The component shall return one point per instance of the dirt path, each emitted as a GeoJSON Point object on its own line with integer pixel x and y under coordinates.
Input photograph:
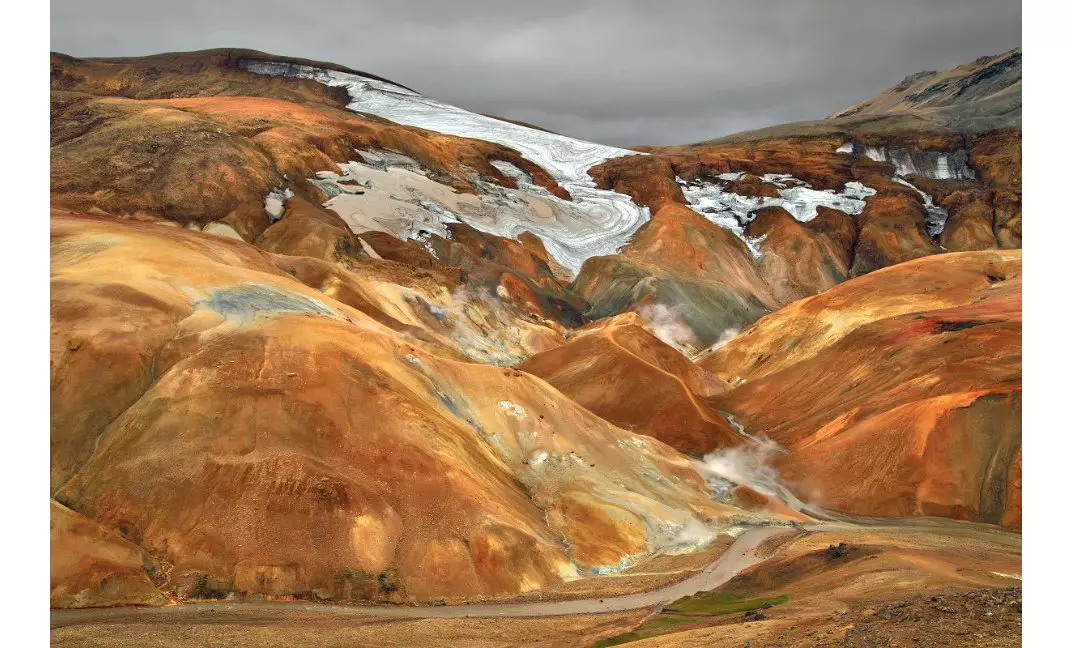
{"type": "Point", "coordinates": [740, 556]}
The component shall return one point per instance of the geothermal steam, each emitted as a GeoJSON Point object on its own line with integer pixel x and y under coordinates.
{"type": "Point", "coordinates": [668, 325]}
{"type": "Point", "coordinates": [748, 465]}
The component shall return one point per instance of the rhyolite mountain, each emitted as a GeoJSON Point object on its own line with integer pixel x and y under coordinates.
{"type": "Point", "coordinates": [314, 334]}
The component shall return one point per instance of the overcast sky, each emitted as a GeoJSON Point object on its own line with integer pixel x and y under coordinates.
{"type": "Point", "coordinates": [618, 72]}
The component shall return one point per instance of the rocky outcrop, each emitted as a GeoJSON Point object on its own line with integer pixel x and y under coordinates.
{"type": "Point", "coordinates": [814, 160]}
{"type": "Point", "coordinates": [997, 155]}
{"type": "Point", "coordinates": [891, 230]}
{"type": "Point", "coordinates": [986, 90]}
{"type": "Point", "coordinates": [306, 229]}
{"type": "Point", "coordinates": [217, 158]}
{"type": "Point", "coordinates": [971, 222]}
{"type": "Point", "coordinates": [647, 179]}
{"type": "Point", "coordinates": [516, 271]}
{"type": "Point", "coordinates": [801, 259]}
{"type": "Point", "coordinates": [903, 178]}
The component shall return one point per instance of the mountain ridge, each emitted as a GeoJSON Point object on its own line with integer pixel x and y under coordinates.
{"type": "Point", "coordinates": [414, 353]}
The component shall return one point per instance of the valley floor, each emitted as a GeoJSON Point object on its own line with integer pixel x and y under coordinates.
{"type": "Point", "coordinates": [913, 582]}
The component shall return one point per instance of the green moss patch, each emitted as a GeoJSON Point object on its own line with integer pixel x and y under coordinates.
{"type": "Point", "coordinates": [717, 602]}
{"type": "Point", "coordinates": [692, 612]}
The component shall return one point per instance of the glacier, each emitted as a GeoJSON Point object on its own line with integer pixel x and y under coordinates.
{"type": "Point", "coordinates": [598, 222]}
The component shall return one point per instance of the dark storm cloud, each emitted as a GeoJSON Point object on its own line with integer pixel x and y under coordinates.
{"type": "Point", "coordinates": [648, 72]}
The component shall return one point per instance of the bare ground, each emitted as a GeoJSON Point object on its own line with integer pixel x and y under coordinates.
{"type": "Point", "coordinates": [923, 583]}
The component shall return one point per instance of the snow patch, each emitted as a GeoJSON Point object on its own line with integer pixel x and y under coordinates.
{"type": "Point", "coordinates": [857, 190]}
{"type": "Point", "coordinates": [782, 180]}
{"type": "Point", "coordinates": [394, 200]}
{"type": "Point", "coordinates": [733, 211]}
{"type": "Point", "coordinates": [275, 202]}
{"type": "Point", "coordinates": [803, 202]}
{"type": "Point", "coordinates": [598, 222]}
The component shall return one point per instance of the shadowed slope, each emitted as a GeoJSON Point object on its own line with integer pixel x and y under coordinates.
{"type": "Point", "coordinates": [682, 263]}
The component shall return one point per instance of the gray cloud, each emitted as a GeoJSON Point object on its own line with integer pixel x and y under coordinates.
{"type": "Point", "coordinates": [618, 72]}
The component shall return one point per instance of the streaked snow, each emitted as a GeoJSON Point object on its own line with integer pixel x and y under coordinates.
{"type": "Point", "coordinates": [600, 222]}
{"type": "Point", "coordinates": [936, 216]}
{"type": "Point", "coordinates": [857, 190]}
{"type": "Point", "coordinates": [408, 204]}
{"type": "Point", "coordinates": [511, 171]}
{"type": "Point", "coordinates": [937, 165]}
{"type": "Point", "coordinates": [733, 211]}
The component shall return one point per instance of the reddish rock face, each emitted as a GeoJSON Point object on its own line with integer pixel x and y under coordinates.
{"type": "Point", "coordinates": [895, 394]}
{"type": "Point", "coordinates": [799, 259]}
{"type": "Point", "coordinates": [812, 159]}
{"type": "Point", "coordinates": [971, 223]}
{"type": "Point", "coordinates": [648, 180]}
{"type": "Point", "coordinates": [214, 158]}
{"type": "Point", "coordinates": [311, 231]}
{"type": "Point", "coordinates": [628, 376]}
{"type": "Point", "coordinates": [891, 231]}
{"type": "Point", "coordinates": [837, 230]}
{"type": "Point", "coordinates": [517, 271]}
{"type": "Point", "coordinates": [997, 156]}
{"type": "Point", "coordinates": [835, 245]}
